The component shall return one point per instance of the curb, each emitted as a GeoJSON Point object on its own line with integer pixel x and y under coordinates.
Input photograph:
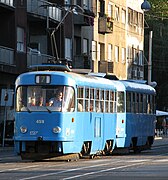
{"type": "Point", "coordinates": [156, 138]}
{"type": "Point", "coordinates": [6, 149]}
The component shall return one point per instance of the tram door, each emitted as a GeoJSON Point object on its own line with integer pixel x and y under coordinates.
{"type": "Point", "coordinates": [97, 121]}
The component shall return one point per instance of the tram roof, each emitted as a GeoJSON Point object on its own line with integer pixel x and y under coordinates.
{"type": "Point", "coordinates": [88, 79]}
{"type": "Point", "coordinates": [138, 87]}
{"type": "Point", "coordinates": [79, 79]}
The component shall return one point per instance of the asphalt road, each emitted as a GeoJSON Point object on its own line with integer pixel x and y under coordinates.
{"type": "Point", "coordinates": [148, 165]}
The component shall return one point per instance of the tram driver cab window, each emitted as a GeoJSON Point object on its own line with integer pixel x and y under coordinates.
{"type": "Point", "coordinates": [63, 99]}
{"type": "Point", "coordinates": [56, 101]}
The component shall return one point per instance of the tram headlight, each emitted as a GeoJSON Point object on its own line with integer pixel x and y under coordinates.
{"type": "Point", "coordinates": [56, 129]}
{"type": "Point", "coordinates": [23, 129]}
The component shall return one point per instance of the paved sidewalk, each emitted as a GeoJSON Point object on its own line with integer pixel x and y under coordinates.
{"type": "Point", "coordinates": [6, 149]}
{"type": "Point", "coordinates": [160, 141]}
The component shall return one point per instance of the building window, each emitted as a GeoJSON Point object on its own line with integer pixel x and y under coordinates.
{"type": "Point", "coordinates": [110, 10]}
{"type": "Point", "coordinates": [94, 50]}
{"type": "Point", "coordinates": [98, 52]}
{"type": "Point", "coordinates": [20, 39]}
{"type": "Point", "coordinates": [135, 56]}
{"type": "Point", "coordinates": [123, 16]}
{"type": "Point", "coordinates": [123, 55]}
{"type": "Point", "coordinates": [75, 2]}
{"type": "Point", "coordinates": [110, 48]}
{"type": "Point", "coordinates": [85, 46]}
{"type": "Point", "coordinates": [130, 16]}
{"type": "Point", "coordinates": [116, 13]}
{"type": "Point", "coordinates": [101, 8]}
{"type": "Point", "coordinates": [135, 17]}
{"type": "Point", "coordinates": [141, 58]}
{"type": "Point", "coordinates": [67, 1]}
{"type": "Point", "coordinates": [141, 20]}
{"type": "Point", "coordinates": [129, 57]}
{"type": "Point", "coordinates": [68, 49]}
{"type": "Point", "coordinates": [85, 4]}
{"type": "Point", "coordinates": [94, 7]}
{"type": "Point", "coordinates": [116, 53]}
{"type": "Point", "coordinates": [102, 51]}
{"type": "Point", "coordinates": [77, 45]}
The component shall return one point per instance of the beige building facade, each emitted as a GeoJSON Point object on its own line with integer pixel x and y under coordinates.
{"type": "Point", "coordinates": [118, 38]}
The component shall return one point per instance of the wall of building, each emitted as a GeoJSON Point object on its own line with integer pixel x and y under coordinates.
{"type": "Point", "coordinates": [123, 36]}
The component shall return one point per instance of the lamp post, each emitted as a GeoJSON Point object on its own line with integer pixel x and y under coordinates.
{"type": "Point", "coordinates": [150, 58]}
{"type": "Point", "coordinates": [145, 6]}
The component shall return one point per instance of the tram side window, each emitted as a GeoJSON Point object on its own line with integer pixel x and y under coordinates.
{"type": "Point", "coordinates": [101, 100]}
{"type": "Point", "coordinates": [149, 104]}
{"type": "Point", "coordinates": [97, 105]}
{"type": "Point", "coordinates": [154, 105]}
{"type": "Point", "coordinates": [80, 99]}
{"type": "Point", "coordinates": [144, 103]}
{"type": "Point", "coordinates": [128, 102]}
{"type": "Point", "coordinates": [92, 95]}
{"type": "Point", "coordinates": [107, 102]}
{"type": "Point", "coordinates": [133, 103]}
{"type": "Point", "coordinates": [136, 103]}
{"type": "Point", "coordinates": [87, 103]}
{"type": "Point", "coordinates": [112, 101]}
{"type": "Point", "coordinates": [140, 103]}
{"type": "Point", "coordinates": [120, 102]}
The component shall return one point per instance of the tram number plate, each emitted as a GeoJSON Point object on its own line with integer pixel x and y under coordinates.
{"type": "Point", "coordinates": [33, 133]}
{"type": "Point", "coordinates": [40, 121]}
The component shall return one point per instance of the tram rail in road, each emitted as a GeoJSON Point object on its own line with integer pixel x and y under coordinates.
{"type": "Point", "coordinates": [110, 167]}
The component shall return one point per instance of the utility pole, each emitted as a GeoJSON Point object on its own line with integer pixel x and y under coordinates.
{"type": "Point", "coordinates": [150, 58]}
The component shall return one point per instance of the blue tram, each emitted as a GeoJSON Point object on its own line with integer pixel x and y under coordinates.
{"type": "Point", "coordinates": [95, 115]}
{"type": "Point", "coordinates": [138, 116]}
{"type": "Point", "coordinates": [85, 123]}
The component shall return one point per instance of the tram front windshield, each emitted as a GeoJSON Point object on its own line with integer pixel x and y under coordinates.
{"type": "Point", "coordinates": [45, 98]}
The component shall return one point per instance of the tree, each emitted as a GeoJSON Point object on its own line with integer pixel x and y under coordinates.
{"type": "Point", "coordinates": [157, 20]}
{"type": "Point", "coordinates": [159, 8]}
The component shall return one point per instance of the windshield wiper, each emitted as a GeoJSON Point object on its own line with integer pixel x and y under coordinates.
{"type": "Point", "coordinates": [28, 109]}
{"type": "Point", "coordinates": [48, 110]}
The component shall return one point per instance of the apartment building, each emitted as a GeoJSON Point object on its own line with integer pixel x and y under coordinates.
{"type": "Point", "coordinates": [35, 32]}
{"type": "Point", "coordinates": [103, 36]}
{"type": "Point", "coordinates": [117, 46]}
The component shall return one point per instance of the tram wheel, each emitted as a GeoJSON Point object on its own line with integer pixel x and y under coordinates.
{"type": "Point", "coordinates": [137, 150]}
{"type": "Point", "coordinates": [86, 148]}
{"type": "Point", "coordinates": [108, 147]}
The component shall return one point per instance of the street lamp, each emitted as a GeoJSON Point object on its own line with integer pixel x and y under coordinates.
{"type": "Point", "coordinates": [145, 6]}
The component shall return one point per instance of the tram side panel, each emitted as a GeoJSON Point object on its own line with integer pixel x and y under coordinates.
{"type": "Point", "coordinates": [140, 129]}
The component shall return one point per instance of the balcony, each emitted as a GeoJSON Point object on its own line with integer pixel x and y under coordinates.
{"type": "Point", "coordinates": [86, 19]}
{"type": "Point", "coordinates": [105, 25]}
{"type": "Point", "coordinates": [42, 9]}
{"type": "Point", "coordinates": [36, 58]}
{"type": "Point", "coordinates": [83, 20]}
{"type": "Point", "coordinates": [6, 56]}
{"type": "Point", "coordinates": [7, 2]}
